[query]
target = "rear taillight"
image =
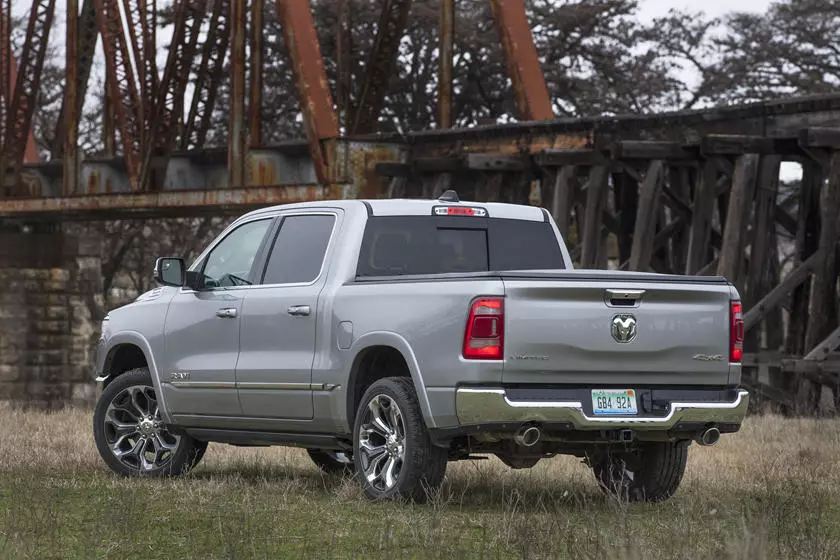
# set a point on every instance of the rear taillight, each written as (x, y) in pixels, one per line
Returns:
(736, 332)
(485, 333)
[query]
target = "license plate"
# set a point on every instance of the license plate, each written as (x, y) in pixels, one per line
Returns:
(614, 401)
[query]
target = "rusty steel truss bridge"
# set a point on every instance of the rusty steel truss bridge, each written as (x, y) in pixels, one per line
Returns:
(693, 192)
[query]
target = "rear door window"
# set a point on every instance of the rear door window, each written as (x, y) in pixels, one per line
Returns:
(300, 246)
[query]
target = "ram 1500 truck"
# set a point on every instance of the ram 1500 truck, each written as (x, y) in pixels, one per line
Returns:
(388, 337)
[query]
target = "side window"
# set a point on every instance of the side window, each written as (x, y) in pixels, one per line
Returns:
(229, 263)
(299, 249)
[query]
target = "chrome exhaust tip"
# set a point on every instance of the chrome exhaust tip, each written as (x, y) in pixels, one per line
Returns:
(527, 436)
(709, 437)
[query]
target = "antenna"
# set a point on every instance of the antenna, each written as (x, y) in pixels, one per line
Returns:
(449, 196)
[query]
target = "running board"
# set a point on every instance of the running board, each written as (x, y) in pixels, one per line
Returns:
(243, 437)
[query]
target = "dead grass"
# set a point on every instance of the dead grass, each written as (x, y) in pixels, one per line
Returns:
(771, 491)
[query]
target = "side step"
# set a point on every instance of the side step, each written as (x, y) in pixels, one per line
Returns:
(243, 437)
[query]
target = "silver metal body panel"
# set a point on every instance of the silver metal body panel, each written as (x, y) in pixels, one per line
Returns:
(285, 372)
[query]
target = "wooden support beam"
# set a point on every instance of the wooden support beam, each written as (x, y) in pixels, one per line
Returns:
(643, 149)
(559, 158)
(647, 217)
(701, 218)
(765, 206)
(626, 197)
(743, 183)
(821, 351)
(496, 162)
(564, 190)
(820, 137)
(596, 188)
(738, 144)
(794, 278)
(822, 312)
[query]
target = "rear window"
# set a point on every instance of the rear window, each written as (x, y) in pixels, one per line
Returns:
(398, 245)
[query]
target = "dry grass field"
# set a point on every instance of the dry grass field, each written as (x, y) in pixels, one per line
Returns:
(771, 491)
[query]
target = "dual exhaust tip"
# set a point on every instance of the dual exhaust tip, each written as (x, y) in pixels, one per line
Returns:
(528, 436)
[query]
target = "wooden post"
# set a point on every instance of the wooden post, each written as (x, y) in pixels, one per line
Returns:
(627, 205)
(647, 217)
(822, 309)
(595, 200)
(561, 199)
(701, 218)
(732, 252)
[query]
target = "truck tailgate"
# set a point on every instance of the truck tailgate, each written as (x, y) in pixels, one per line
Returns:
(559, 329)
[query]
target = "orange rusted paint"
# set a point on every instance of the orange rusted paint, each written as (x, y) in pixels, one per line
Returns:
(314, 96)
(524, 69)
(172, 200)
(30, 155)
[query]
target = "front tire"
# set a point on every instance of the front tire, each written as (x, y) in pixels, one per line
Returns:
(394, 456)
(651, 473)
(130, 434)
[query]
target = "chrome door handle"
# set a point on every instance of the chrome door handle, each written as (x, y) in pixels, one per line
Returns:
(299, 310)
(229, 313)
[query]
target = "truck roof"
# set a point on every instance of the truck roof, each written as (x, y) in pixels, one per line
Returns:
(419, 207)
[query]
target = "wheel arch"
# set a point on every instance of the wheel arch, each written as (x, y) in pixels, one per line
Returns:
(379, 355)
(126, 348)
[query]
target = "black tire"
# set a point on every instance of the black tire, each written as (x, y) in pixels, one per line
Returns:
(181, 452)
(422, 466)
(650, 474)
(333, 462)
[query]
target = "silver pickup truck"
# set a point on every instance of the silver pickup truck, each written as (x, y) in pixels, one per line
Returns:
(388, 337)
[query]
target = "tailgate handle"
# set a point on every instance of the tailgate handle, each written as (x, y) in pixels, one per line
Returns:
(623, 298)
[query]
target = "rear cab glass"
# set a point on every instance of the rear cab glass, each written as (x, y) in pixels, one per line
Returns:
(409, 245)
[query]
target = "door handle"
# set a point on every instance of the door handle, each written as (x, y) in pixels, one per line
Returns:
(229, 313)
(299, 310)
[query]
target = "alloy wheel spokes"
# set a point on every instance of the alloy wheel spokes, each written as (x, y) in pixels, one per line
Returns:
(135, 432)
(382, 442)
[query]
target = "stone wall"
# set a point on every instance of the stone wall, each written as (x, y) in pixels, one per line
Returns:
(48, 284)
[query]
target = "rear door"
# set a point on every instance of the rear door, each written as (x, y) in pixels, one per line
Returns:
(279, 317)
(574, 329)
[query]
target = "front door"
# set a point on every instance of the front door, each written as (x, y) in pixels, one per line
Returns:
(202, 329)
(279, 318)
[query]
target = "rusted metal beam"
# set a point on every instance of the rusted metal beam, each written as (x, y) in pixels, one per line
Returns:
(140, 19)
(380, 65)
(343, 62)
(184, 202)
(123, 88)
(87, 34)
(236, 126)
(311, 81)
(71, 102)
(166, 123)
(524, 69)
(30, 153)
(256, 75)
(446, 41)
(5, 67)
(25, 92)
(208, 76)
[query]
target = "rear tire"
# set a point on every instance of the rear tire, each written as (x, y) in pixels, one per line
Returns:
(394, 456)
(650, 474)
(131, 436)
(333, 462)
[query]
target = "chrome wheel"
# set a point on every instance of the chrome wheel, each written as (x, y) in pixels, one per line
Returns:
(382, 442)
(134, 431)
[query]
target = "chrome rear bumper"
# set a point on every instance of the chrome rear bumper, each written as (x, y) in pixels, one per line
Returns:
(480, 405)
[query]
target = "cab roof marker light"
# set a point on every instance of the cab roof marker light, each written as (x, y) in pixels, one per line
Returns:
(459, 211)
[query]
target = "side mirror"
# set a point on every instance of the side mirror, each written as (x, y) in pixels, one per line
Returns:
(170, 271)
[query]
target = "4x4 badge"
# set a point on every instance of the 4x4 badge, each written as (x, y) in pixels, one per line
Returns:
(623, 327)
